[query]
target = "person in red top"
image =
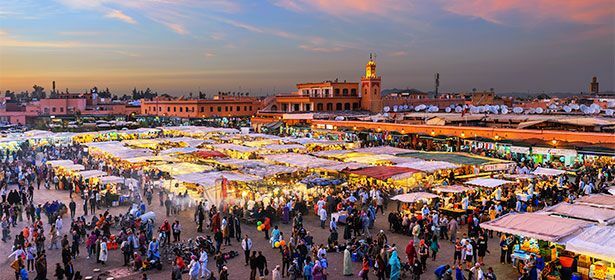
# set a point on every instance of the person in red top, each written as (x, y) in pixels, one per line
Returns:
(364, 269)
(216, 223)
(180, 262)
(267, 227)
(166, 229)
(411, 252)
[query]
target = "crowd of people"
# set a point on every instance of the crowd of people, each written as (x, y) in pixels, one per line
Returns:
(145, 244)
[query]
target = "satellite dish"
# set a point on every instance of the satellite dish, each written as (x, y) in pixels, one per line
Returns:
(610, 104)
(339, 118)
(552, 106)
(575, 106)
(458, 109)
(504, 111)
(567, 109)
(395, 108)
(517, 110)
(539, 110)
(386, 109)
(609, 112)
(447, 109)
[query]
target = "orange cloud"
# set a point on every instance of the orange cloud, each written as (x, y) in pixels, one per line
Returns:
(117, 14)
(502, 11)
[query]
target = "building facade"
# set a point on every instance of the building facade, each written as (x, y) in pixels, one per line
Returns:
(220, 106)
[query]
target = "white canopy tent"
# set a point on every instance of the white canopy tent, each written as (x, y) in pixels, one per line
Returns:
(86, 174)
(597, 242)
(452, 189)
(185, 150)
(413, 197)
(111, 180)
(487, 182)
(598, 200)
(344, 166)
(585, 212)
(548, 171)
(60, 162)
(208, 179)
(300, 160)
(74, 167)
(539, 226)
(429, 166)
(384, 150)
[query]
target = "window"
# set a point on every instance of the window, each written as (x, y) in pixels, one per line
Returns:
(353, 92)
(181, 109)
(53, 109)
(238, 108)
(187, 109)
(338, 106)
(329, 106)
(355, 106)
(168, 109)
(347, 106)
(219, 109)
(225, 108)
(345, 92)
(319, 107)
(250, 108)
(245, 108)
(308, 107)
(337, 92)
(202, 109)
(61, 109)
(296, 107)
(326, 92)
(211, 109)
(174, 109)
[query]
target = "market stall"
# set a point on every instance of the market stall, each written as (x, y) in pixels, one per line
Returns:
(413, 197)
(598, 215)
(302, 161)
(598, 200)
(386, 177)
(595, 247)
(549, 172)
(488, 182)
(429, 166)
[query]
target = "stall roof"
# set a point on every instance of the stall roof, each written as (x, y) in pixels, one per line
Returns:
(283, 147)
(86, 174)
(597, 242)
(385, 172)
(234, 147)
(585, 212)
(429, 166)
(344, 166)
(74, 167)
(457, 158)
(60, 162)
(598, 200)
(548, 171)
(388, 150)
(300, 160)
(258, 167)
(413, 197)
(452, 189)
(185, 150)
(371, 159)
(208, 179)
(488, 182)
(539, 226)
(111, 180)
(182, 168)
(208, 154)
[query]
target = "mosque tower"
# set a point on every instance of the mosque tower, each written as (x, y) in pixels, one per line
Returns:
(371, 99)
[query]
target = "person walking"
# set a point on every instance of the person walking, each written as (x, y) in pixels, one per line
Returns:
(246, 245)
(435, 247)
(177, 230)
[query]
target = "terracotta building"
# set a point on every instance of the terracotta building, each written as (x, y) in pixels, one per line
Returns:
(331, 96)
(220, 106)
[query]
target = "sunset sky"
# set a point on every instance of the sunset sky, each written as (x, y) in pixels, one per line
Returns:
(267, 46)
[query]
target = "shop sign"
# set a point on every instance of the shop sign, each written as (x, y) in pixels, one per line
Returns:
(498, 166)
(554, 151)
(519, 150)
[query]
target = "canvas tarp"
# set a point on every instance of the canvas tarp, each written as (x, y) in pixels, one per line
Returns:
(300, 160)
(208, 179)
(452, 189)
(86, 174)
(60, 162)
(598, 200)
(429, 166)
(111, 180)
(413, 197)
(386, 172)
(487, 182)
(541, 171)
(344, 166)
(539, 226)
(585, 212)
(384, 150)
(597, 242)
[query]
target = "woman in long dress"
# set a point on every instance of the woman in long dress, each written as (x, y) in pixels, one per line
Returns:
(347, 262)
(395, 266)
(103, 251)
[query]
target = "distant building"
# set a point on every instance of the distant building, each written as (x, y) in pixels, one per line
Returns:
(219, 106)
(594, 86)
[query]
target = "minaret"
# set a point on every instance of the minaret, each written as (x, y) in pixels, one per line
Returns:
(594, 86)
(371, 100)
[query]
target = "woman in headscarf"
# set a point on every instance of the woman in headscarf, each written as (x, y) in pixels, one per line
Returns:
(347, 262)
(411, 252)
(395, 266)
(318, 272)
